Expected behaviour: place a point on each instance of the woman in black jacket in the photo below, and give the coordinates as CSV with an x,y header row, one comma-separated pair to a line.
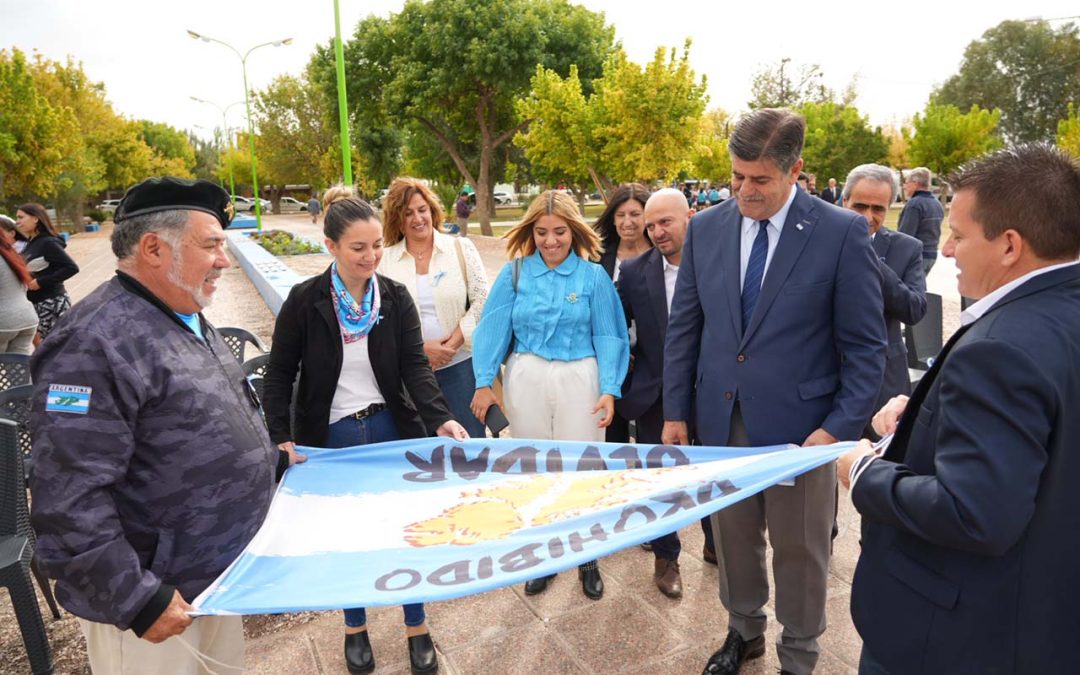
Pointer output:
x,y
355,337
48,263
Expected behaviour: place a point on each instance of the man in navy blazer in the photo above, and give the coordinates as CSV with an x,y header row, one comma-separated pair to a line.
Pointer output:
x,y
868,191
970,555
777,332
646,286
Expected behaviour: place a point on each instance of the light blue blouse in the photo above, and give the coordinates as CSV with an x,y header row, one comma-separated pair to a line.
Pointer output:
x,y
568,313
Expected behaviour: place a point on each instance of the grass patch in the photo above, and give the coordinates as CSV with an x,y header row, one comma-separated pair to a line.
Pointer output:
x,y
280,242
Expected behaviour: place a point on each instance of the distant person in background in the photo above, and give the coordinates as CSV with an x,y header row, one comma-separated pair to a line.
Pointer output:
x,y
314,208
714,196
461,210
447,281
922,215
831,193
812,185
49,264
725,192
622,232
804,181
18,320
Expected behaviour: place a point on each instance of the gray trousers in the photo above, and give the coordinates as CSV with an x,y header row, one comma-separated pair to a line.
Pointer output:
x,y
18,341
799,520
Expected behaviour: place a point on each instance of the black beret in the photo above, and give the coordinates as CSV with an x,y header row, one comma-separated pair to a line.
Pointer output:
x,y
171,194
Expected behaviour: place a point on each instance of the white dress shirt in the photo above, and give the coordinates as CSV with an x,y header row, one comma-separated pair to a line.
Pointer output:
x,y
671,273
749,233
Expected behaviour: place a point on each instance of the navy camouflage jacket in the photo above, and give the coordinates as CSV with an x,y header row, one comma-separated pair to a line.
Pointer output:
x,y
152,467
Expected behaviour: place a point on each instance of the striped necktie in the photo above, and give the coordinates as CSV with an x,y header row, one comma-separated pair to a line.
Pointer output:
x,y
755,272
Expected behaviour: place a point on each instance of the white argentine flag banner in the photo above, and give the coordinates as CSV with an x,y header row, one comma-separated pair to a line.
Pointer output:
x,y
433,519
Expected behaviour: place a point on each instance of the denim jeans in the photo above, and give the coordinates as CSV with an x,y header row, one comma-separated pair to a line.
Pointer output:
x,y
458,386
346,433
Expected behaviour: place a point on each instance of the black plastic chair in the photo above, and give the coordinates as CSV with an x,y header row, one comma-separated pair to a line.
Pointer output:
x,y
17,551
238,338
256,366
14,370
925,339
15,408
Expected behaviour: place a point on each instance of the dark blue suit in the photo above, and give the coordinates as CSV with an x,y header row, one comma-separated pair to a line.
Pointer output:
x,y
970,551
812,356
903,288
644,298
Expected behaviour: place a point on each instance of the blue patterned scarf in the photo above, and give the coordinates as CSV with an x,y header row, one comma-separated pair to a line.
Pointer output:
x,y
356,320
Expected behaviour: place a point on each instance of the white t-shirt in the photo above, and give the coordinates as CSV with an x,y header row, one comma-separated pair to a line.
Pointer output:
x,y
429,317
356,386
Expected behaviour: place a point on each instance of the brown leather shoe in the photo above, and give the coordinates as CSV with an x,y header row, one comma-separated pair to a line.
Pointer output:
x,y
708,554
667,578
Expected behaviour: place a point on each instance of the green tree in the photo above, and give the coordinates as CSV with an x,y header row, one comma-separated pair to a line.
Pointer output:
x,y
712,161
453,68
206,156
784,85
1068,133
838,139
37,138
171,151
1028,70
945,137
558,141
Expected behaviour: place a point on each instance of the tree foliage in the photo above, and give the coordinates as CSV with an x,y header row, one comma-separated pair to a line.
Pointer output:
x,y
945,137
1028,70
712,160
1068,133
786,85
452,69
170,148
295,137
838,139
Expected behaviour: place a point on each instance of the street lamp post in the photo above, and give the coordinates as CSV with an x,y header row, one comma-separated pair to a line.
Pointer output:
x,y
247,105
228,143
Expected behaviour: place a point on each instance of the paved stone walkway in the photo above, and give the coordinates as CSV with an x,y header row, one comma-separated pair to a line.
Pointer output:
x,y
633,629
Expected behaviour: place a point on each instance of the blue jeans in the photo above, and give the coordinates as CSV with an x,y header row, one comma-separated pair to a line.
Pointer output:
x,y
458,386
346,433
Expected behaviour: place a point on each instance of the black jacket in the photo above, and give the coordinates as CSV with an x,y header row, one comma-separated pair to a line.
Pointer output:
x,y
307,334
60,266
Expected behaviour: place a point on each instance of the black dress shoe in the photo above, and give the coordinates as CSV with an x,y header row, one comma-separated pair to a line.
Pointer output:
x,y
538,586
735,651
422,657
358,656
591,583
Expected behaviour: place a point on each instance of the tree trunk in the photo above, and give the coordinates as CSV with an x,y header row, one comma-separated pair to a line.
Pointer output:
x,y
275,199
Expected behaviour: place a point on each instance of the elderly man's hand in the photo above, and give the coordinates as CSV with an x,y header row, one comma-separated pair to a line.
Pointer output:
x,y
173,621
886,419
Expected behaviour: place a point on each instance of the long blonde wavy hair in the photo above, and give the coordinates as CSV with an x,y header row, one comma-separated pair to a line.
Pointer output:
x,y
585,241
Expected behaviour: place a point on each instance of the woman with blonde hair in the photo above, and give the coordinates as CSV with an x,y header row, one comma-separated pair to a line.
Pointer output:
x,y
570,345
364,378
446,278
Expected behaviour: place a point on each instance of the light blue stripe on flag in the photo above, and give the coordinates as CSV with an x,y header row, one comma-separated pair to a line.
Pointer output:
x,y
68,398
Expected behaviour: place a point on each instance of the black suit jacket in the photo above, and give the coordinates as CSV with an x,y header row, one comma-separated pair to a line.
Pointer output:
x,y
970,550
307,334
831,195
643,294
903,288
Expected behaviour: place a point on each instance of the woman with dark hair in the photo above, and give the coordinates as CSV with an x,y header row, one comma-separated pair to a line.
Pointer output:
x,y
18,320
622,229
355,337
446,278
570,348
49,266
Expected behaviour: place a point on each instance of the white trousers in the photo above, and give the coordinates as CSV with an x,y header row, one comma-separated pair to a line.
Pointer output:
x,y
120,652
552,400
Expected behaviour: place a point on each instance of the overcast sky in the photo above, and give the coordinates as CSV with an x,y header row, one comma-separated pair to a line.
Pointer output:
x,y
150,67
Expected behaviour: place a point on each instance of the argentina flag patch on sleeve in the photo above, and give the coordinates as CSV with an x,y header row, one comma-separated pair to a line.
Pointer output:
x,y
68,398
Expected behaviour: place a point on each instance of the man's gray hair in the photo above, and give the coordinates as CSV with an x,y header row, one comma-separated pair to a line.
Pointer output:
x,y
920,175
775,134
169,225
873,172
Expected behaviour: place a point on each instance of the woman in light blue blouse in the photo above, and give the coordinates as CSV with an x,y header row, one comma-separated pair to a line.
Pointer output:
x,y
570,345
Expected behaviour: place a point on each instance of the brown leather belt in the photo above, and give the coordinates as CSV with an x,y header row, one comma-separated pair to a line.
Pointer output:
x,y
368,411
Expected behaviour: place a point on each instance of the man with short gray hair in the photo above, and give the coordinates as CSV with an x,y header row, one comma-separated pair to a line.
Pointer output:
x,y
152,466
922,215
868,191
776,336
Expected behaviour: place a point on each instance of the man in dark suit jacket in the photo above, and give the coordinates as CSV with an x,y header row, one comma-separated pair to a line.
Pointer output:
x,y
970,556
831,194
868,191
776,328
646,285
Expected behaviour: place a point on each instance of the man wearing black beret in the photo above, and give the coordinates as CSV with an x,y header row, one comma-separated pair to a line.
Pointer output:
x,y
152,466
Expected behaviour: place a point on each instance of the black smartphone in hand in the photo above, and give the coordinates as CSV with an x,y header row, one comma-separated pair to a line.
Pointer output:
x,y
495,420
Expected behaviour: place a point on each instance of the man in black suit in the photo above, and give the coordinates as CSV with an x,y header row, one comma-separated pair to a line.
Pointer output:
x,y
831,194
869,190
646,284
970,517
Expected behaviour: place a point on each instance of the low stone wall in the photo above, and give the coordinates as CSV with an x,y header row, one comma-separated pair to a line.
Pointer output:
x,y
272,278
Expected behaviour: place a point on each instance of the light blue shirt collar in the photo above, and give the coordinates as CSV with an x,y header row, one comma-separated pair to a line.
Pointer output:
x,y
537,267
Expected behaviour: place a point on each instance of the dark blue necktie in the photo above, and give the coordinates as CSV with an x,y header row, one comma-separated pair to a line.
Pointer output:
x,y
755,271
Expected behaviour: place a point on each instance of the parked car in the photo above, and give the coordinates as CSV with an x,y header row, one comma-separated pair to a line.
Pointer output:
x,y
109,205
248,204
291,205
503,198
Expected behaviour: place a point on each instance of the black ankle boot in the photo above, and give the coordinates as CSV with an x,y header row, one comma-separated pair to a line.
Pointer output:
x,y
538,586
358,655
591,583
422,657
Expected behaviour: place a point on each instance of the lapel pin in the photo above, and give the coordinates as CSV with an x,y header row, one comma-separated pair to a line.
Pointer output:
x,y
798,226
